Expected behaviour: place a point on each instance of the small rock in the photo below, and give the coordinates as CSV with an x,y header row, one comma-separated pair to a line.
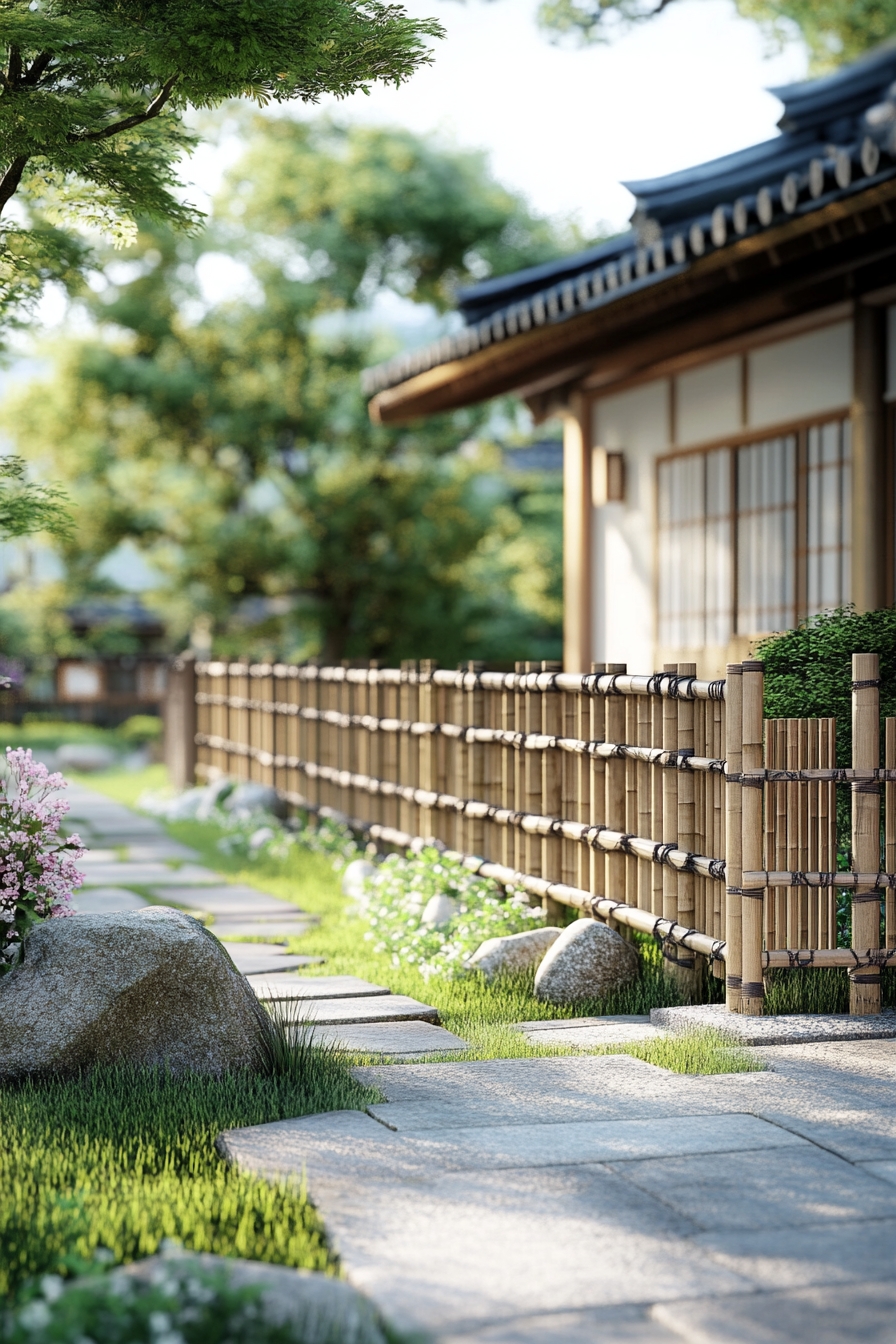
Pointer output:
x,y
587,961
214,796
185,807
145,987
261,837
355,879
318,1308
515,953
439,911
85,756
250,797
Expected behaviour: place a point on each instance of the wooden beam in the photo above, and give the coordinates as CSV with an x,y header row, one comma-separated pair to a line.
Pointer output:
x,y
868,458
577,511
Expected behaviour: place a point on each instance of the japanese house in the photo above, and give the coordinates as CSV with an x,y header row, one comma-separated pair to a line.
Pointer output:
x,y
725,372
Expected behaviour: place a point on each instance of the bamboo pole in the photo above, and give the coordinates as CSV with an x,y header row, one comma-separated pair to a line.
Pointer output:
x,y
614,787
687,969
733,835
670,821
657,785
508,768
570,801
551,792
752,991
864,987
597,793
644,797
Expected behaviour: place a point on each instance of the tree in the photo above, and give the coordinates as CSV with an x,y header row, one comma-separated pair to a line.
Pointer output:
x,y
235,446
93,97
833,30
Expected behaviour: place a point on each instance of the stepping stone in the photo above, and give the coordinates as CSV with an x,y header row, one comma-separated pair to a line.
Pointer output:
x,y
787,1029
277,931
393,1039
586,1032
274,987
106,901
260,959
224,900
149,851
149,875
373,1008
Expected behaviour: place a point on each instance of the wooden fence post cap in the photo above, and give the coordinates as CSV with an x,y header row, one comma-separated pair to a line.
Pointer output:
x,y
753,665
734,670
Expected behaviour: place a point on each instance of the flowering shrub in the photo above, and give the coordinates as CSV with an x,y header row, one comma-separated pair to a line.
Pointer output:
x,y
37,865
180,1305
263,836
399,894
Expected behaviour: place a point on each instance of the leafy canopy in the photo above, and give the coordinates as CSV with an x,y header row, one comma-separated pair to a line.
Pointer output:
x,y
93,97
833,30
231,442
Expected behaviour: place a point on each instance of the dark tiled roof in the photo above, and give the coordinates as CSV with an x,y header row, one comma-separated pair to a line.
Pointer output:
x,y
838,136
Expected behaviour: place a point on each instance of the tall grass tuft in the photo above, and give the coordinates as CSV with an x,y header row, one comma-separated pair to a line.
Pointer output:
x,y
702,1051
122,1158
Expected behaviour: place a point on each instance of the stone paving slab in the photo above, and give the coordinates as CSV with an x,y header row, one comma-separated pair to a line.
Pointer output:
x,y
395,1040
884,1171
223,901
830,1253
859,1135
120,872
604,1325
373,1008
106,900
760,1190
273,931
857,1311
255,959
148,851
274,987
586,1037
789,1029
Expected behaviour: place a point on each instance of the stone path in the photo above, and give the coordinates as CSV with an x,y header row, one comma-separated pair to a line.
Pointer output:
x,y
559,1201
131,862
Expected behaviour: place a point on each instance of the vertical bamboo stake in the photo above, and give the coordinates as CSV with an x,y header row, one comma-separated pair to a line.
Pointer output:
x,y
827,861
614,776
374,709
492,756
459,763
718,789
657,785
519,771
752,990
475,718
890,834
583,788
570,802
552,792
596,787
508,770
426,743
442,821
631,798
793,836
864,984
644,824
670,819
532,771
688,974
810,793
733,837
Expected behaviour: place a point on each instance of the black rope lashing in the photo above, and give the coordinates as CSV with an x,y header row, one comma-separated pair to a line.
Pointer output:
x,y
716,690
655,683
662,851
867,685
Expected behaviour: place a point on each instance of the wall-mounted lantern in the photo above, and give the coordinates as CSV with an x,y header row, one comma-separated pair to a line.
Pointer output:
x,y
607,477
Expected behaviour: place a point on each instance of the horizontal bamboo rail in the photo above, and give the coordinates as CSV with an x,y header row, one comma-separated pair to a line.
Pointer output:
x,y
832,957
879,881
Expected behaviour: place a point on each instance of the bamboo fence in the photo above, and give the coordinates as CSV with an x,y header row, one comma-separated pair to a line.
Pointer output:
x,y
662,803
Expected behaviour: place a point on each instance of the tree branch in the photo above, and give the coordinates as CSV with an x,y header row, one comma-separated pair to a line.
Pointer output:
x,y
37,68
138,119
9,183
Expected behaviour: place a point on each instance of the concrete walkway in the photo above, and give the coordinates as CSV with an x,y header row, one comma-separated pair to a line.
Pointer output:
x,y
559,1201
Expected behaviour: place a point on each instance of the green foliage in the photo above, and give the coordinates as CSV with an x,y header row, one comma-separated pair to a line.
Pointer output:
x,y
27,507
704,1052
140,729
121,1159
233,444
833,30
92,118
818,990
808,671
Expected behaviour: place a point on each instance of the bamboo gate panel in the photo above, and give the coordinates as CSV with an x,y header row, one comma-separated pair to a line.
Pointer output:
x,y
662,803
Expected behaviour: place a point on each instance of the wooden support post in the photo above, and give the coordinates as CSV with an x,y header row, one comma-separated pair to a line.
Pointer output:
x,y
733,839
890,833
552,793
752,991
864,984
180,722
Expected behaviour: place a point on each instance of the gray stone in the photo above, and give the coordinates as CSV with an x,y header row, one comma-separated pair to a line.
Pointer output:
x,y
608,1325
398,1040
146,987
788,1029
438,911
214,795
106,900
355,878
590,1037
587,961
271,988
511,955
860,1312
186,806
251,797
373,1008
321,1309
260,958
85,757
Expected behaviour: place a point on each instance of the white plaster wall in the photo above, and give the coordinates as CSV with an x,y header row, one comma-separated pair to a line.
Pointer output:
x,y
800,377
635,423
708,402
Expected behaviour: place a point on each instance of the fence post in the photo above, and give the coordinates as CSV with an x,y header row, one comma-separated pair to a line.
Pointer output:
x,y
614,783
552,792
180,721
669,711
687,967
864,984
733,839
752,990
